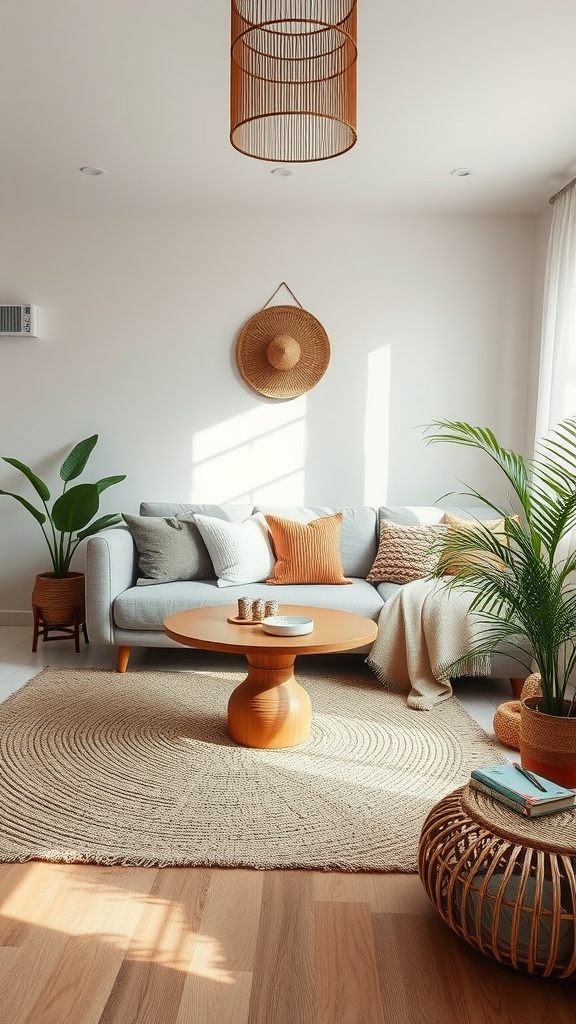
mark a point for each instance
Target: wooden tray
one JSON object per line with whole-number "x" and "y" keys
{"x": 243, "y": 622}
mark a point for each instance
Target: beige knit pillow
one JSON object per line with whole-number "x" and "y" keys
{"x": 405, "y": 553}
{"x": 472, "y": 558}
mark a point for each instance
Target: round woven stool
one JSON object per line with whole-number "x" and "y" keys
{"x": 505, "y": 883}
{"x": 507, "y": 718}
{"x": 507, "y": 723}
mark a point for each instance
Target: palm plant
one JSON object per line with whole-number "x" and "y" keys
{"x": 70, "y": 519}
{"x": 525, "y": 594}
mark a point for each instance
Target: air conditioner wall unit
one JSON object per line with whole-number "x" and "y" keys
{"x": 19, "y": 321}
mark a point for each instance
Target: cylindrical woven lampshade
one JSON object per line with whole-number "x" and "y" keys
{"x": 293, "y": 79}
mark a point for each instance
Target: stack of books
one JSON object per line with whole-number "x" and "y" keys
{"x": 521, "y": 790}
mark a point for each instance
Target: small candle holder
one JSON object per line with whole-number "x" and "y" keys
{"x": 270, "y": 608}
{"x": 245, "y": 607}
{"x": 258, "y": 609}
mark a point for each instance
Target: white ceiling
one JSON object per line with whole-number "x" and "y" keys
{"x": 140, "y": 88}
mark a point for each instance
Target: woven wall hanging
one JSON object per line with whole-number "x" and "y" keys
{"x": 282, "y": 351}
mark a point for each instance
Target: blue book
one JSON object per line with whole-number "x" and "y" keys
{"x": 512, "y": 783}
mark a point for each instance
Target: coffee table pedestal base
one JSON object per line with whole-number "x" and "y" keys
{"x": 269, "y": 709}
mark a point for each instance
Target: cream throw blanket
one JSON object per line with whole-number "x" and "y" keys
{"x": 422, "y": 629}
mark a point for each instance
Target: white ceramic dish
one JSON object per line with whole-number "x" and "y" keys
{"x": 287, "y": 625}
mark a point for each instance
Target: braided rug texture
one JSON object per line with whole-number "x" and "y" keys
{"x": 139, "y": 769}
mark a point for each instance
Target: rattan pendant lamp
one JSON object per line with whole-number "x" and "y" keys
{"x": 293, "y": 79}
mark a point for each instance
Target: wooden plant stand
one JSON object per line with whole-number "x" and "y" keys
{"x": 68, "y": 632}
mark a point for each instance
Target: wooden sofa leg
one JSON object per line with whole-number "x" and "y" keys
{"x": 123, "y": 659}
{"x": 517, "y": 685}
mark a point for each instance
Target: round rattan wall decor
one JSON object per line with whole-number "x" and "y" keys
{"x": 282, "y": 351}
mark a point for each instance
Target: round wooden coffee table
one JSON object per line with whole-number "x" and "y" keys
{"x": 269, "y": 709}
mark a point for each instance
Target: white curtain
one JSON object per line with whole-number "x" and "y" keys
{"x": 557, "y": 380}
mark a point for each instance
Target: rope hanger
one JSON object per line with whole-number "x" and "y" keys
{"x": 282, "y": 285}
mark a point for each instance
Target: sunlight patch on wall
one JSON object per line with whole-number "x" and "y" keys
{"x": 377, "y": 427}
{"x": 255, "y": 457}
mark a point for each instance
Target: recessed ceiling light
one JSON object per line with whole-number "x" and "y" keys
{"x": 462, "y": 172}
{"x": 281, "y": 172}
{"x": 92, "y": 170}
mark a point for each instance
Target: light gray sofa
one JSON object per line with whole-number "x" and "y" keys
{"x": 125, "y": 615}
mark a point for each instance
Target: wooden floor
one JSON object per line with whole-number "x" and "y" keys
{"x": 92, "y": 945}
{"x": 81, "y": 944}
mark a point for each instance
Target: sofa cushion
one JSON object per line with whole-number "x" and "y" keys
{"x": 240, "y": 552}
{"x": 231, "y": 513}
{"x": 358, "y": 534}
{"x": 425, "y": 515}
{"x": 411, "y": 515}
{"x": 307, "y": 552}
{"x": 168, "y": 549}
{"x": 387, "y": 589}
{"x": 405, "y": 553}
{"x": 145, "y": 608}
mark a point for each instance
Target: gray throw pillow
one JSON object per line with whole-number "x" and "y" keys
{"x": 169, "y": 549}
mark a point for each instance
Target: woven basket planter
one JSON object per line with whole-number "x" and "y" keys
{"x": 548, "y": 743}
{"x": 60, "y": 602}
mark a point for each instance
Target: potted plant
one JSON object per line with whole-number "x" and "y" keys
{"x": 58, "y": 596}
{"x": 522, "y": 575}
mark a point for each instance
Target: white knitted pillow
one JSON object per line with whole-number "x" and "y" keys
{"x": 240, "y": 552}
{"x": 404, "y": 553}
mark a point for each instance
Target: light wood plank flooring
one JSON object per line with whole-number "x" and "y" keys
{"x": 81, "y": 944}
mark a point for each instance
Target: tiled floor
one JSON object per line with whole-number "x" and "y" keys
{"x": 480, "y": 697}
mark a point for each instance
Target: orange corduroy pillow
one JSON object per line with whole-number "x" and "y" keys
{"x": 307, "y": 552}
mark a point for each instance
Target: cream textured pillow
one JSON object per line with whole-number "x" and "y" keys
{"x": 169, "y": 549}
{"x": 405, "y": 553}
{"x": 307, "y": 552}
{"x": 240, "y": 552}
{"x": 472, "y": 558}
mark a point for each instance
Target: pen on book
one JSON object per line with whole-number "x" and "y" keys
{"x": 528, "y": 775}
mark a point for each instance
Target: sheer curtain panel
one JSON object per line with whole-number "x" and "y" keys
{"x": 557, "y": 379}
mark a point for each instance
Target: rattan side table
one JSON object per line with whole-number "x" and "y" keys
{"x": 505, "y": 883}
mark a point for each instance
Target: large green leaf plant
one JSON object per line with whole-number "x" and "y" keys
{"x": 71, "y": 517}
{"x": 522, "y": 575}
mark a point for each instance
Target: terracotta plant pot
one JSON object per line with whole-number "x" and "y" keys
{"x": 548, "y": 743}
{"x": 60, "y": 602}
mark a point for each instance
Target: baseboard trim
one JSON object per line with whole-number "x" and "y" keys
{"x": 13, "y": 618}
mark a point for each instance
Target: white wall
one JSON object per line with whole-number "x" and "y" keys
{"x": 428, "y": 317}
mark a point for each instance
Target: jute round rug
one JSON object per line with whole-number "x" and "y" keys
{"x": 138, "y": 769}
